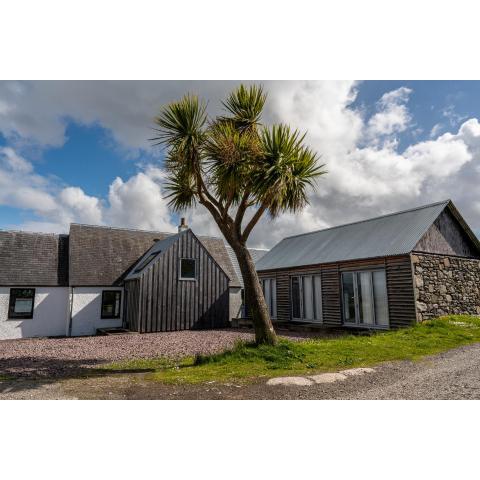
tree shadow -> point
(27, 373)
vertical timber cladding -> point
(132, 289)
(399, 288)
(167, 303)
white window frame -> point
(272, 305)
(357, 322)
(188, 279)
(317, 316)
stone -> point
(419, 281)
(442, 289)
(295, 381)
(328, 377)
(430, 288)
(421, 307)
(446, 261)
(448, 298)
(415, 259)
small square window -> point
(21, 303)
(187, 269)
(111, 303)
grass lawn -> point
(248, 362)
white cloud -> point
(393, 115)
(436, 129)
(368, 174)
(139, 202)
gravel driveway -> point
(60, 356)
(450, 375)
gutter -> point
(70, 319)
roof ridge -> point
(29, 232)
(128, 229)
(370, 219)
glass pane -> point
(348, 298)
(295, 297)
(365, 297)
(187, 268)
(273, 313)
(381, 300)
(267, 294)
(117, 304)
(23, 305)
(307, 298)
(317, 283)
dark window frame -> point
(114, 315)
(145, 262)
(191, 279)
(11, 305)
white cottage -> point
(72, 285)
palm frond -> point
(287, 169)
(245, 104)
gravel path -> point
(451, 375)
(60, 356)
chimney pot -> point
(183, 226)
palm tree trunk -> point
(254, 299)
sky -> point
(80, 151)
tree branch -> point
(242, 207)
(253, 222)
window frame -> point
(317, 316)
(11, 305)
(357, 323)
(145, 262)
(114, 316)
(188, 279)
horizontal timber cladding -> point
(399, 288)
(166, 303)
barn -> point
(381, 273)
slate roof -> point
(256, 253)
(33, 259)
(392, 234)
(104, 255)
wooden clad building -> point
(176, 285)
(385, 272)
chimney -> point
(183, 226)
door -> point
(364, 298)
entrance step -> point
(114, 331)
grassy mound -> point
(247, 361)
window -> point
(307, 298)
(145, 262)
(21, 303)
(364, 298)
(187, 269)
(269, 287)
(111, 303)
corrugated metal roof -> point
(256, 253)
(392, 234)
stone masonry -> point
(445, 285)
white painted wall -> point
(50, 314)
(86, 311)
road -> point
(452, 375)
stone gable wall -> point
(445, 285)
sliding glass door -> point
(269, 286)
(364, 298)
(306, 297)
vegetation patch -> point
(247, 361)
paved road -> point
(451, 375)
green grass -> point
(247, 361)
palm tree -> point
(232, 164)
